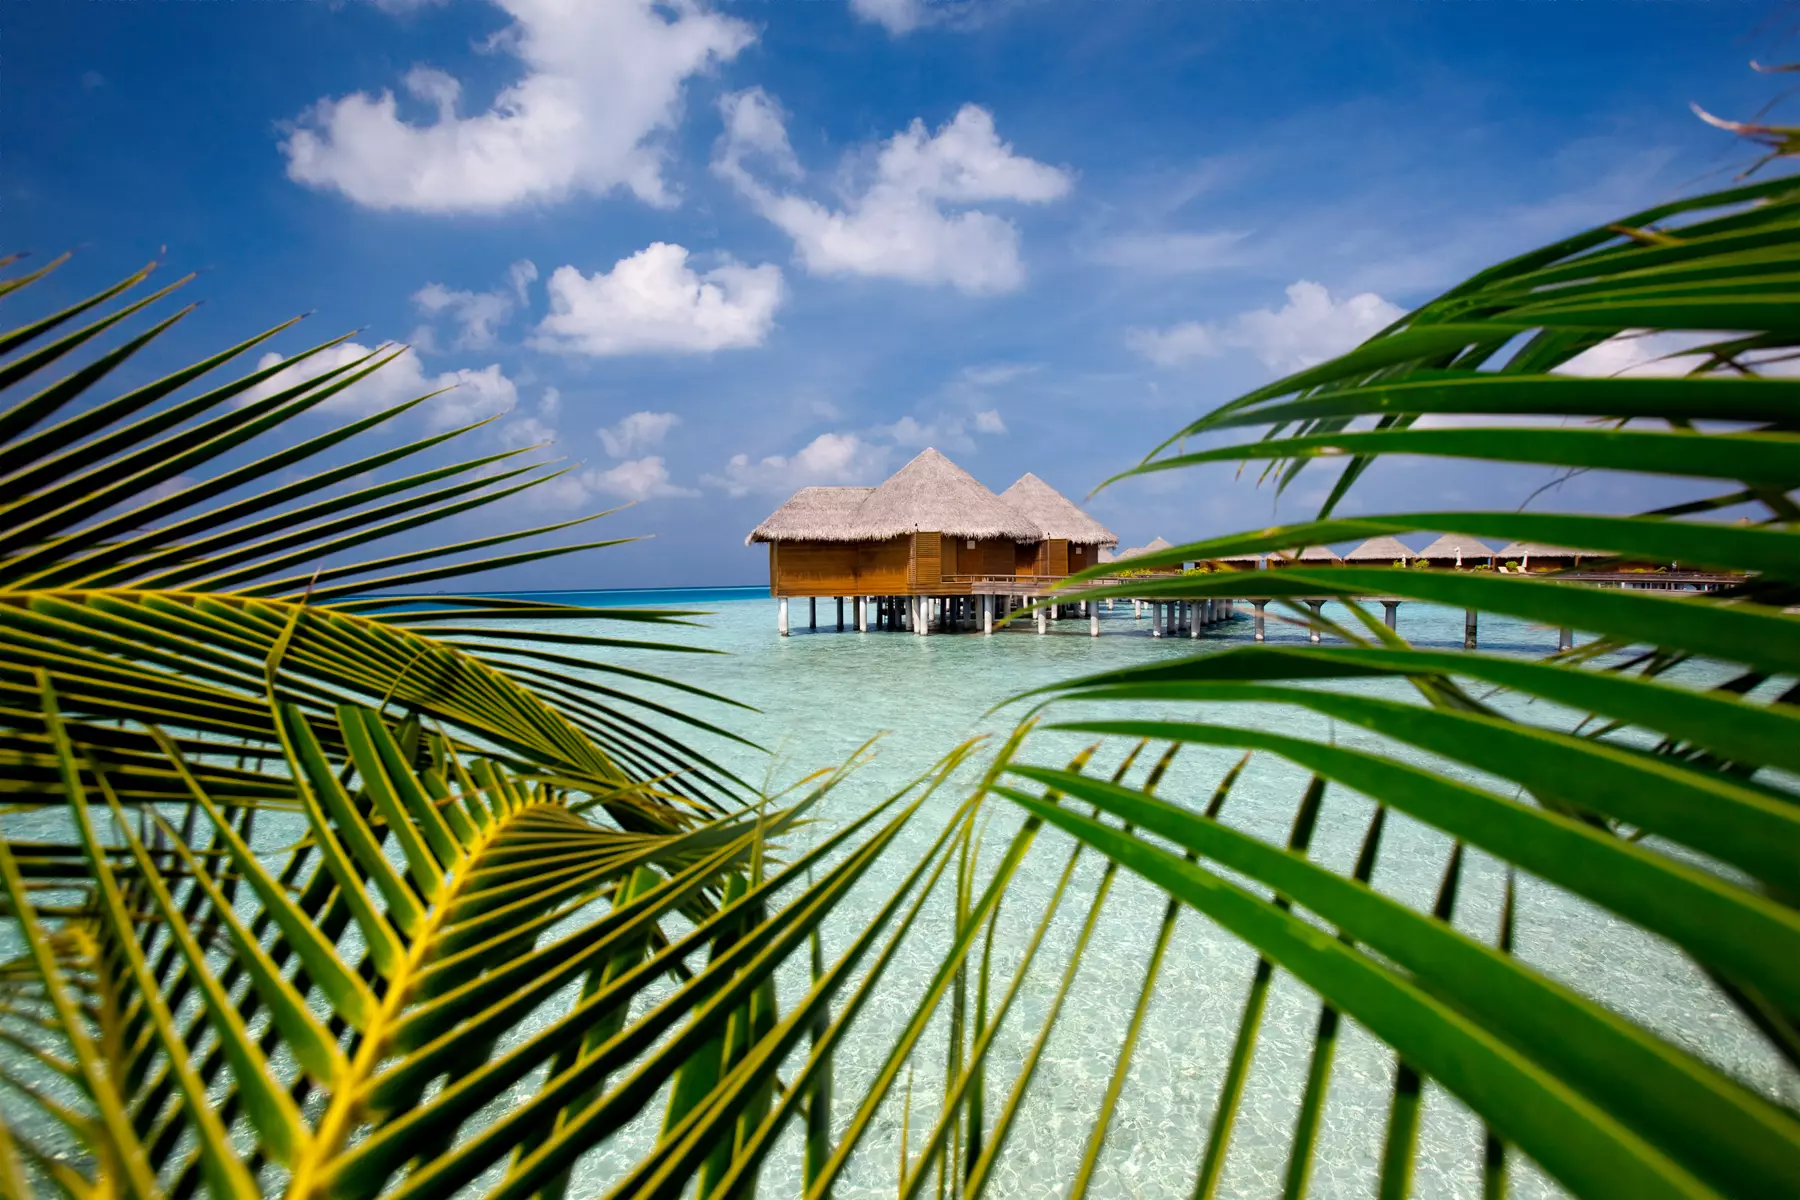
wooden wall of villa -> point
(922, 564)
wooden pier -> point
(982, 602)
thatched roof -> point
(1382, 549)
(815, 514)
(1320, 554)
(1453, 546)
(932, 494)
(1151, 547)
(1538, 550)
(1238, 560)
(1055, 514)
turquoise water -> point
(822, 694)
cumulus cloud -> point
(639, 479)
(911, 218)
(895, 16)
(600, 83)
(828, 458)
(945, 431)
(475, 393)
(654, 302)
(639, 431)
(1310, 328)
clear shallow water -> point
(822, 694)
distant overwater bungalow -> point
(930, 546)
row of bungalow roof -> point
(1451, 550)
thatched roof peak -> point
(1154, 545)
(1056, 514)
(1455, 546)
(1381, 549)
(813, 514)
(1320, 554)
(931, 494)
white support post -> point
(1316, 605)
(1392, 615)
(1468, 629)
(1565, 638)
(1043, 621)
(1155, 618)
(1093, 620)
(1260, 606)
(781, 617)
(987, 616)
(1194, 628)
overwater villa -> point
(929, 544)
(1383, 551)
(1455, 550)
(1311, 556)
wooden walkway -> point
(991, 599)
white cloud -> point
(476, 393)
(639, 479)
(653, 302)
(1310, 328)
(479, 314)
(945, 431)
(911, 220)
(895, 16)
(551, 403)
(524, 431)
(828, 458)
(639, 431)
(522, 275)
(601, 80)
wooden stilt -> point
(1468, 629)
(840, 601)
(812, 612)
(1391, 613)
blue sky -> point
(717, 251)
